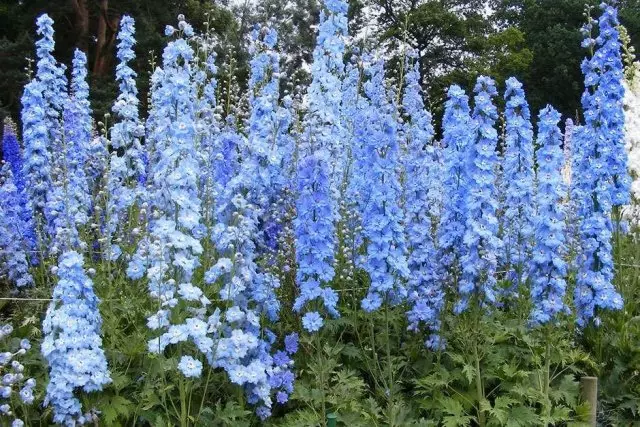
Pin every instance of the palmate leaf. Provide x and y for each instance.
(456, 413)
(115, 408)
(522, 416)
(566, 391)
(500, 410)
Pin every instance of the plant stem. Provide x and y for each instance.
(389, 367)
(323, 413)
(479, 388)
(184, 412)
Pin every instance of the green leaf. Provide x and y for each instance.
(522, 416)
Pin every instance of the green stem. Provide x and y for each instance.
(323, 413)
(184, 411)
(479, 387)
(547, 371)
(389, 367)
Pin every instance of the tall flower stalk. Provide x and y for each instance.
(518, 178)
(548, 268)
(481, 242)
(421, 168)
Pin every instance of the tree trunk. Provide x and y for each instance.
(107, 30)
(81, 23)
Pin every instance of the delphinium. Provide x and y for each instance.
(208, 124)
(319, 173)
(590, 192)
(456, 125)
(54, 82)
(608, 66)
(572, 223)
(425, 291)
(69, 200)
(593, 185)
(518, 182)
(14, 256)
(267, 149)
(14, 380)
(548, 268)
(72, 345)
(244, 345)
(126, 164)
(36, 168)
(12, 153)
(481, 242)
(315, 238)
(382, 217)
(324, 93)
(348, 227)
(13, 156)
(175, 224)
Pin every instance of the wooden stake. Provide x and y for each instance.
(589, 394)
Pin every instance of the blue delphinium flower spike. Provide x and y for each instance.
(382, 216)
(548, 268)
(481, 242)
(72, 345)
(518, 182)
(457, 133)
(422, 171)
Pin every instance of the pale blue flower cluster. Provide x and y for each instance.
(51, 76)
(382, 215)
(69, 201)
(72, 345)
(599, 175)
(548, 268)
(174, 247)
(518, 181)
(324, 93)
(37, 158)
(14, 244)
(320, 170)
(126, 163)
(422, 172)
(456, 142)
(607, 64)
(481, 242)
(14, 379)
(12, 155)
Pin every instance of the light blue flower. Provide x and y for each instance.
(312, 321)
(190, 367)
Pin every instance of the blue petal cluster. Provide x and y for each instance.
(456, 142)
(37, 158)
(382, 215)
(72, 345)
(324, 94)
(126, 163)
(481, 242)
(14, 256)
(608, 68)
(422, 171)
(598, 181)
(14, 379)
(548, 268)
(518, 179)
(69, 201)
(12, 153)
(315, 236)
(51, 76)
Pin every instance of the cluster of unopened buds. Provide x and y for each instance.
(13, 379)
